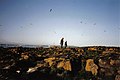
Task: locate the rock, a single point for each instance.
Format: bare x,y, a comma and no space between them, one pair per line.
46,63
104,63
18,71
32,69
109,72
24,55
50,60
7,67
115,62
92,49
91,66
64,64
102,70
117,77
118,71
39,65
94,69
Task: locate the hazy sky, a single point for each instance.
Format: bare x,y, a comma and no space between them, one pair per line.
80,22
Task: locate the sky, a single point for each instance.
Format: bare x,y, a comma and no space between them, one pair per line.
45,22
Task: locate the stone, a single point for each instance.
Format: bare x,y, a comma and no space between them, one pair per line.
25,55
118,71
50,60
18,71
32,69
117,77
92,49
94,69
91,66
64,64
108,72
114,62
104,63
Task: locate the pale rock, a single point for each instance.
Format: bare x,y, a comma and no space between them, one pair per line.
18,71
117,77
32,69
118,71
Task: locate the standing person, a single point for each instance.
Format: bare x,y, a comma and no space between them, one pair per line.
65,44
61,42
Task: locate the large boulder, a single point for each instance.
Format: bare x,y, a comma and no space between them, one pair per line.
64,64
91,66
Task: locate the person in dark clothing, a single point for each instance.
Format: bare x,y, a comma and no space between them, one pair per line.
61,42
65,44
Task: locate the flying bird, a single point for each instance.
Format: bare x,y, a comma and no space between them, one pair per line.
50,10
31,24
21,26
104,30
94,24
81,22
119,28
55,32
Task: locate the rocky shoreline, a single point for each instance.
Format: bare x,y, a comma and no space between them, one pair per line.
54,63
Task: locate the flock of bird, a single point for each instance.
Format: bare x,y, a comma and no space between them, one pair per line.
50,10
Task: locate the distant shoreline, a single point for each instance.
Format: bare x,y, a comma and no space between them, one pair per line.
47,46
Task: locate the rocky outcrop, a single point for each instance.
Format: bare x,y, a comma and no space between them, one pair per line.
54,63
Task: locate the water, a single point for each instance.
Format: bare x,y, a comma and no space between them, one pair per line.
25,46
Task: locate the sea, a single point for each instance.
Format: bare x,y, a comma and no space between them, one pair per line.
24,46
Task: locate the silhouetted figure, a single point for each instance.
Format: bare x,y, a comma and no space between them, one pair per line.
65,44
61,42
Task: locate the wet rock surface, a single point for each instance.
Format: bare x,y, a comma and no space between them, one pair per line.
54,63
